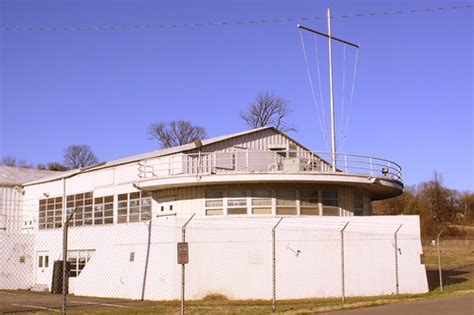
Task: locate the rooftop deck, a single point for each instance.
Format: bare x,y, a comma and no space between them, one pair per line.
269,162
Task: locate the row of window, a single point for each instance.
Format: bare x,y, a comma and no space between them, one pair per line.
132,207
286,202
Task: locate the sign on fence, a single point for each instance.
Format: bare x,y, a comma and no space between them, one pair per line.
183,253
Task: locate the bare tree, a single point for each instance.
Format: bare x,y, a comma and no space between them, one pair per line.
8,160
268,110
79,156
176,133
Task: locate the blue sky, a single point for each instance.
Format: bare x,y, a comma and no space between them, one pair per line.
413,100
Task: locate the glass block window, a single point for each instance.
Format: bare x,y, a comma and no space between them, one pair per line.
104,210
214,203
78,260
309,202
50,213
261,202
358,203
84,213
286,202
236,202
134,207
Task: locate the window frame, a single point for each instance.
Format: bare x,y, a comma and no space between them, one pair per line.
255,206
241,196
211,210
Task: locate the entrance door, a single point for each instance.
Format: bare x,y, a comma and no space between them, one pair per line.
43,267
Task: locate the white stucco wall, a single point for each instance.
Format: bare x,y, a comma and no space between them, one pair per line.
233,256
16,273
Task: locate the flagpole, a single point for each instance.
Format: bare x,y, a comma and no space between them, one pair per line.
331,95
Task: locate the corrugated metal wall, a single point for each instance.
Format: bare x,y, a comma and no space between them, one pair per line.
260,140
10,209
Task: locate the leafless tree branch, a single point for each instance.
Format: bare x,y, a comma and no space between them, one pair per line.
79,156
268,110
175,133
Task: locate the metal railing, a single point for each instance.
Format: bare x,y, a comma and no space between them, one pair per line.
258,161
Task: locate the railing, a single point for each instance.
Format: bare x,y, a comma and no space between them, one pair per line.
256,161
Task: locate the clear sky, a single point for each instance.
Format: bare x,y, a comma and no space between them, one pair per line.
413,100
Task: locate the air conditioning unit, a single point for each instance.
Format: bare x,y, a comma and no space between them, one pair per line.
295,165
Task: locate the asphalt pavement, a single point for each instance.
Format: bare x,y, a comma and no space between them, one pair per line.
456,305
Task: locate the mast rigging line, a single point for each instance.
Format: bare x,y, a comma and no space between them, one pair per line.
318,68
222,23
354,75
323,129
343,93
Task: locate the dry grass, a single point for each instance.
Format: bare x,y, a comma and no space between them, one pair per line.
454,253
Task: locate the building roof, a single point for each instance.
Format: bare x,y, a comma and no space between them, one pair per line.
11,176
153,154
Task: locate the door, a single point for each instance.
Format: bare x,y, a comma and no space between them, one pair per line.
43,267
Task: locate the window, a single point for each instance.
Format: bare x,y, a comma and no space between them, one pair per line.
83,203
214,203
331,203
286,202
50,213
78,260
122,208
330,198
236,202
261,202
358,203
43,261
104,210
309,202
134,207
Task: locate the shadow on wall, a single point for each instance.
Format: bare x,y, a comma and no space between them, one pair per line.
450,276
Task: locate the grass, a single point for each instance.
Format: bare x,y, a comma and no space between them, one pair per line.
454,253
458,279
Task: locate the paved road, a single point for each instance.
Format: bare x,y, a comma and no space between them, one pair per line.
458,305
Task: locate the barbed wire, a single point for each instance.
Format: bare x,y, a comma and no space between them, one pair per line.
221,23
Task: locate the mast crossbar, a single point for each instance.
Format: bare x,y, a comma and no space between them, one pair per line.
327,36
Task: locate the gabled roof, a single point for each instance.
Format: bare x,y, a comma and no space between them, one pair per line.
173,150
158,153
11,176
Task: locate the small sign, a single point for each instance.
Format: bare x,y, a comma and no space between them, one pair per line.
183,253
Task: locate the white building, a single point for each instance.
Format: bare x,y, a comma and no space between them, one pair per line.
16,261
239,185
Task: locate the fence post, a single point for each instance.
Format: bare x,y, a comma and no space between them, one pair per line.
396,258
65,277
439,260
274,265
343,286
183,239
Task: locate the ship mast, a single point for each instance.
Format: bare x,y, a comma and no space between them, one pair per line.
331,84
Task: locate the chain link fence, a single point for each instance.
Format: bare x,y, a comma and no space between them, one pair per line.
251,261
